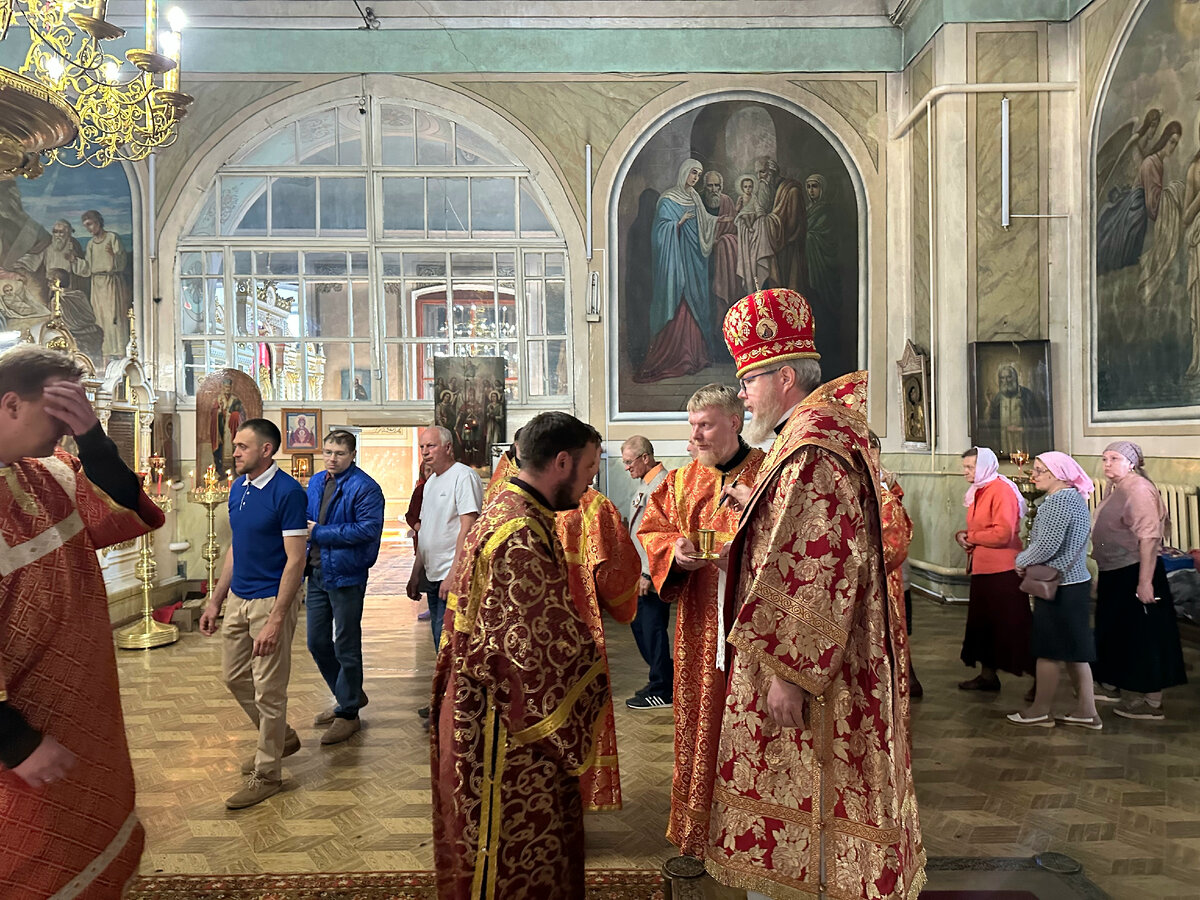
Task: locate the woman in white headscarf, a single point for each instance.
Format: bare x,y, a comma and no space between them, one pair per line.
999,621
1137,635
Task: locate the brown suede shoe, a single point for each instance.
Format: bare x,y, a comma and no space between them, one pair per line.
325,716
258,788
340,730
291,743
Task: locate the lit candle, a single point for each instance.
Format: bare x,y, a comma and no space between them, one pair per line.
229,475
171,43
192,477
152,25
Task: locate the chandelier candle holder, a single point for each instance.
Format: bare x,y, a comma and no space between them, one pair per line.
147,633
212,495
1025,485
73,103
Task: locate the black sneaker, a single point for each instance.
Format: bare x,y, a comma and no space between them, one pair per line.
639,693
649,701
423,712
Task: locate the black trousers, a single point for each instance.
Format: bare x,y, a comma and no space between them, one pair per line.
652,632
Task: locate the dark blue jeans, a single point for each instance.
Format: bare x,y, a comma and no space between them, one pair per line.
652,632
335,640
437,609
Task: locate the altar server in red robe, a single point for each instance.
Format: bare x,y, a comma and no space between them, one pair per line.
67,822
688,500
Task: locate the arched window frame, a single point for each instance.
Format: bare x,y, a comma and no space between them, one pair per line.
234,276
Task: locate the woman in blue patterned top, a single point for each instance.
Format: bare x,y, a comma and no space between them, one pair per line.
1061,630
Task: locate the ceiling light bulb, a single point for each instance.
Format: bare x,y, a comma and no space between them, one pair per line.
111,71
176,18
54,67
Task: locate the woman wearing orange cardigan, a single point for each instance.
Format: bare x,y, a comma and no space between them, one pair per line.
999,621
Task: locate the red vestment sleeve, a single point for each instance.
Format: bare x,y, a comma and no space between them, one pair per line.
897,529
658,533
618,566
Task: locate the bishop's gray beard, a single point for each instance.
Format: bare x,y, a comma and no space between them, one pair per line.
763,420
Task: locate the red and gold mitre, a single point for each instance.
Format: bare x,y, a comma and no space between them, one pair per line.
770,326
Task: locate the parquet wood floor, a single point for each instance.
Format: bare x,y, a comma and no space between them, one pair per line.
1125,802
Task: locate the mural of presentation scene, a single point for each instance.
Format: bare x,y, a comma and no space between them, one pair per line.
724,199
1147,225
72,229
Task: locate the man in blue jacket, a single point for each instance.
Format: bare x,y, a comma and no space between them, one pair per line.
345,522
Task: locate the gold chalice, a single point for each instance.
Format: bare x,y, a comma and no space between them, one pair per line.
705,541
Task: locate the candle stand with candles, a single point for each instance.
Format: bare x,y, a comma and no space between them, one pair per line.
146,633
212,495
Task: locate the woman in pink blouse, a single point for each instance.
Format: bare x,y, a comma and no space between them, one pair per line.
998,618
1137,635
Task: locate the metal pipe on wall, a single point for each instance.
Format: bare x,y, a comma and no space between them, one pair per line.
587,165
1005,174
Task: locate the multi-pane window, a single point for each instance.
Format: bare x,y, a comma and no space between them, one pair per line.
335,257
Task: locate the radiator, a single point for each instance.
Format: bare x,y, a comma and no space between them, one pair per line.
1183,510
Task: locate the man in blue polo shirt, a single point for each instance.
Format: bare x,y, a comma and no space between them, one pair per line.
261,577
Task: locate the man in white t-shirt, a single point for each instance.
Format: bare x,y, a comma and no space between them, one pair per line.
450,505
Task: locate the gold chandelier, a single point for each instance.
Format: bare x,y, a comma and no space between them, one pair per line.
72,102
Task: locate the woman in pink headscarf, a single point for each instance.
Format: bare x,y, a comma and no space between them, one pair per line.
998,618
1137,635
1061,628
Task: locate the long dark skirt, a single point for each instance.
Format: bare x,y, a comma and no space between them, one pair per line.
1061,629
1137,644
998,624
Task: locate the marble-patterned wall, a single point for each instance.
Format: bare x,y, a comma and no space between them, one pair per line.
1008,265
564,115
920,83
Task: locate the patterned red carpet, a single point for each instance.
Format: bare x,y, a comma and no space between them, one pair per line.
603,884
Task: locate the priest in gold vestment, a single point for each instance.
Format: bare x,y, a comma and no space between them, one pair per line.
519,688
688,500
603,570
814,793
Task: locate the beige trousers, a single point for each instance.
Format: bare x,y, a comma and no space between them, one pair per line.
259,683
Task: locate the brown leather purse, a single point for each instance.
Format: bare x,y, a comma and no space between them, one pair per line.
1041,581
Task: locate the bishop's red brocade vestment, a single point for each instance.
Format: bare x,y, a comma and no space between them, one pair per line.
78,837
604,568
518,695
829,806
687,500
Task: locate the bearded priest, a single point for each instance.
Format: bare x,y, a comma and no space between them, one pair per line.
813,793
519,689
688,500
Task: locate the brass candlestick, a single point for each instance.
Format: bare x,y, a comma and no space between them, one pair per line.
212,496
1025,485
146,633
